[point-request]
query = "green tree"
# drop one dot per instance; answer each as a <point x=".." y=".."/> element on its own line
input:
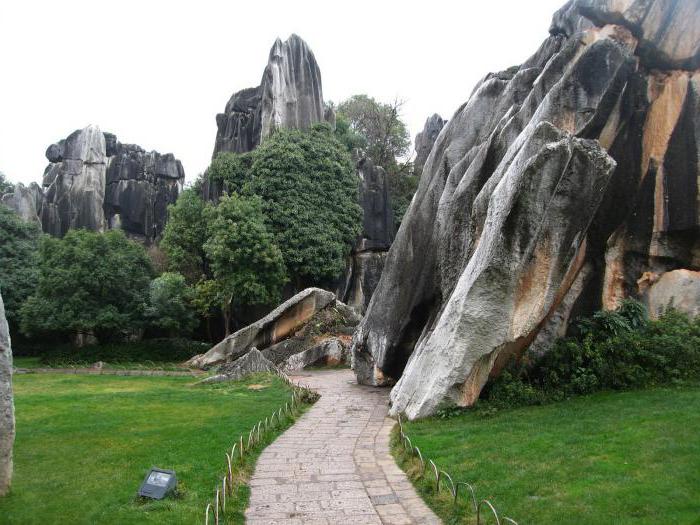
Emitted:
<point x="19" y="259"/>
<point x="231" y="169"/>
<point x="89" y="283"/>
<point x="386" y="135"/>
<point x="310" y="193"/>
<point x="169" y="305"/>
<point x="184" y="236"/>
<point x="246" y="264"/>
<point x="5" y="185"/>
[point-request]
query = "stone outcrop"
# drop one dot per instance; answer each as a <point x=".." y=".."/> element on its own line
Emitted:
<point x="329" y="352"/>
<point x="95" y="182"/>
<point x="7" y="407"/>
<point x="26" y="201"/>
<point x="425" y="140"/>
<point x="548" y="195"/>
<point x="276" y="326"/>
<point x="679" y="289"/>
<point x="251" y="363"/>
<point x="368" y="254"/>
<point x="289" y="96"/>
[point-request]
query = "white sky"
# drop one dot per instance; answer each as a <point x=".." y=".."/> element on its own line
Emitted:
<point x="156" y="73"/>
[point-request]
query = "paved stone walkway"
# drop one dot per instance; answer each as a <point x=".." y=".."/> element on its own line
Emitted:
<point x="333" y="466"/>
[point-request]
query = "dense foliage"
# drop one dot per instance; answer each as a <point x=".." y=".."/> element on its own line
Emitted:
<point x="310" y="198"/>
<point x="169" y="305"/>
<point x="19" y="256"/>
<point x="386" y="135"/>
<point x="155" y="350"/>
<point x="615" y="350"/>
<point x="5" y="185"/>
<point x="184" y="236"/>
<point x="89" y="283"/>
<point x="245" y="261"/>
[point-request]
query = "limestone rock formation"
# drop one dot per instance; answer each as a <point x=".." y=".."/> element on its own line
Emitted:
<point x="26" y="201"/>
<point x="251" y="363"/>
<point x="330" y="352"/>
<point x="7" y="407"/>
<point x="425" y="140"/>
<point x="366" y="260"/>
<point x="279" y="324"/>
<point x="95" y="182"/>
<point x="289" y="96"/>
<point x="549" y="194"/>
<point x="679" y="289"/>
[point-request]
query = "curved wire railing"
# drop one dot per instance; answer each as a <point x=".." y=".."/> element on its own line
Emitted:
<point x="216" y="508"/>
<point x="479" y="506"/>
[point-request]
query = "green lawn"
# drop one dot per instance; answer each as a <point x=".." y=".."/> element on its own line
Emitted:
<point x="84" y="444"/>
<point x="622" y="458"/>
<point x="35" y="362"/>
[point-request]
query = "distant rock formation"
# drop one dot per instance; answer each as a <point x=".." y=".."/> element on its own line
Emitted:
<point x="95" y="182"/>
<point x="7" y="406"/>
<point x="289" y="96"/>
<point x="550" y="193"/>
<point x="425" y="140"/>
<point x="366" y="260"/>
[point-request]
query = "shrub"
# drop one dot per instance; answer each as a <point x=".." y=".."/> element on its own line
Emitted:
<point x="158" y="350"/>
<point x="615" y="350"/>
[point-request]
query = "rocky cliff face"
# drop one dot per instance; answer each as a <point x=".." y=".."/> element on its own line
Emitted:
<point x="289" y="96"/>
<point x="95" y="182"/>
<point x="366" y="261"/>
<point x="7" y="407"/>
<point x="554" y="190"/>
<point x="425" y="140"/>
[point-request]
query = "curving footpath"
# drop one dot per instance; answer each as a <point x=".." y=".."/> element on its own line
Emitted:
<point x="334" y="466"/>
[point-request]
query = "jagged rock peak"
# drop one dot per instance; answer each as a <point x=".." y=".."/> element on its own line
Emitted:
<point x="290" y="95"/>
<point x="668" y="31"/>
<point x="560" y="187"/>
<point x="425" y="140"/>
<point x="95" y="182"/>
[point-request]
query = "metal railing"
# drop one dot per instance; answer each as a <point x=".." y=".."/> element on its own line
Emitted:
<point x="256" y="436"/>
<point x="447" y="480"/>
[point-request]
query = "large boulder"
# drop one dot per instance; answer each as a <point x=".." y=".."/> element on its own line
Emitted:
<point x="7" y="407"/>
<point x="329" y="352"/>
<point x="679" y="289"/>
<point x="425" y="140"/>
<point x="251" y="363"/>
<point x="95" y="182"/>
<point x="276" y="326"/>
<point x="549" y="193"/>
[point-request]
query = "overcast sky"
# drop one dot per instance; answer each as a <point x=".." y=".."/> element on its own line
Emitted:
<point x="156" y="73"/>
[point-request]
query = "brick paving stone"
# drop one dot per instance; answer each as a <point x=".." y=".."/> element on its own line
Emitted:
<point x="334" y="466"/>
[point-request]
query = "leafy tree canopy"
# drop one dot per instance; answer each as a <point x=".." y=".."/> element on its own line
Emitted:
<point x="309" y="192"/>
<point x="386" y="135"/>
<point x="245" y="261"/>
<point x="185" y="235"/>
<point x="89" y="282"/>
<point x="169" y="305"/>
<point x="5" y="185"/>
<point x="19" y="257"/>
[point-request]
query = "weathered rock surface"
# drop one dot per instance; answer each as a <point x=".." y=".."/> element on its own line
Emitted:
<point x="550" y="192"/>
<point x="26" y="201"/>
<point x="679" y="289"/>
<point x="425" y="140"/>
<point x="366" y="260"/>
<point x="7" y="407"/>
<point x="330" y="352"/>
<point x="95" y="182"/>
<point x="251" y="363"/>
<point x="290" y="96"/>
<point x="279" y="324"/>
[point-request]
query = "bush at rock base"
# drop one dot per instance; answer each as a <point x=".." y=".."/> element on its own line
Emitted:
<point x="613" y="350"/>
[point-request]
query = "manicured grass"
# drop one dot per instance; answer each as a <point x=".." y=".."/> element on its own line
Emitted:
<point x="85" y="443"/>
<point x="36" y="362"/>
<point x="623" y="458"/>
